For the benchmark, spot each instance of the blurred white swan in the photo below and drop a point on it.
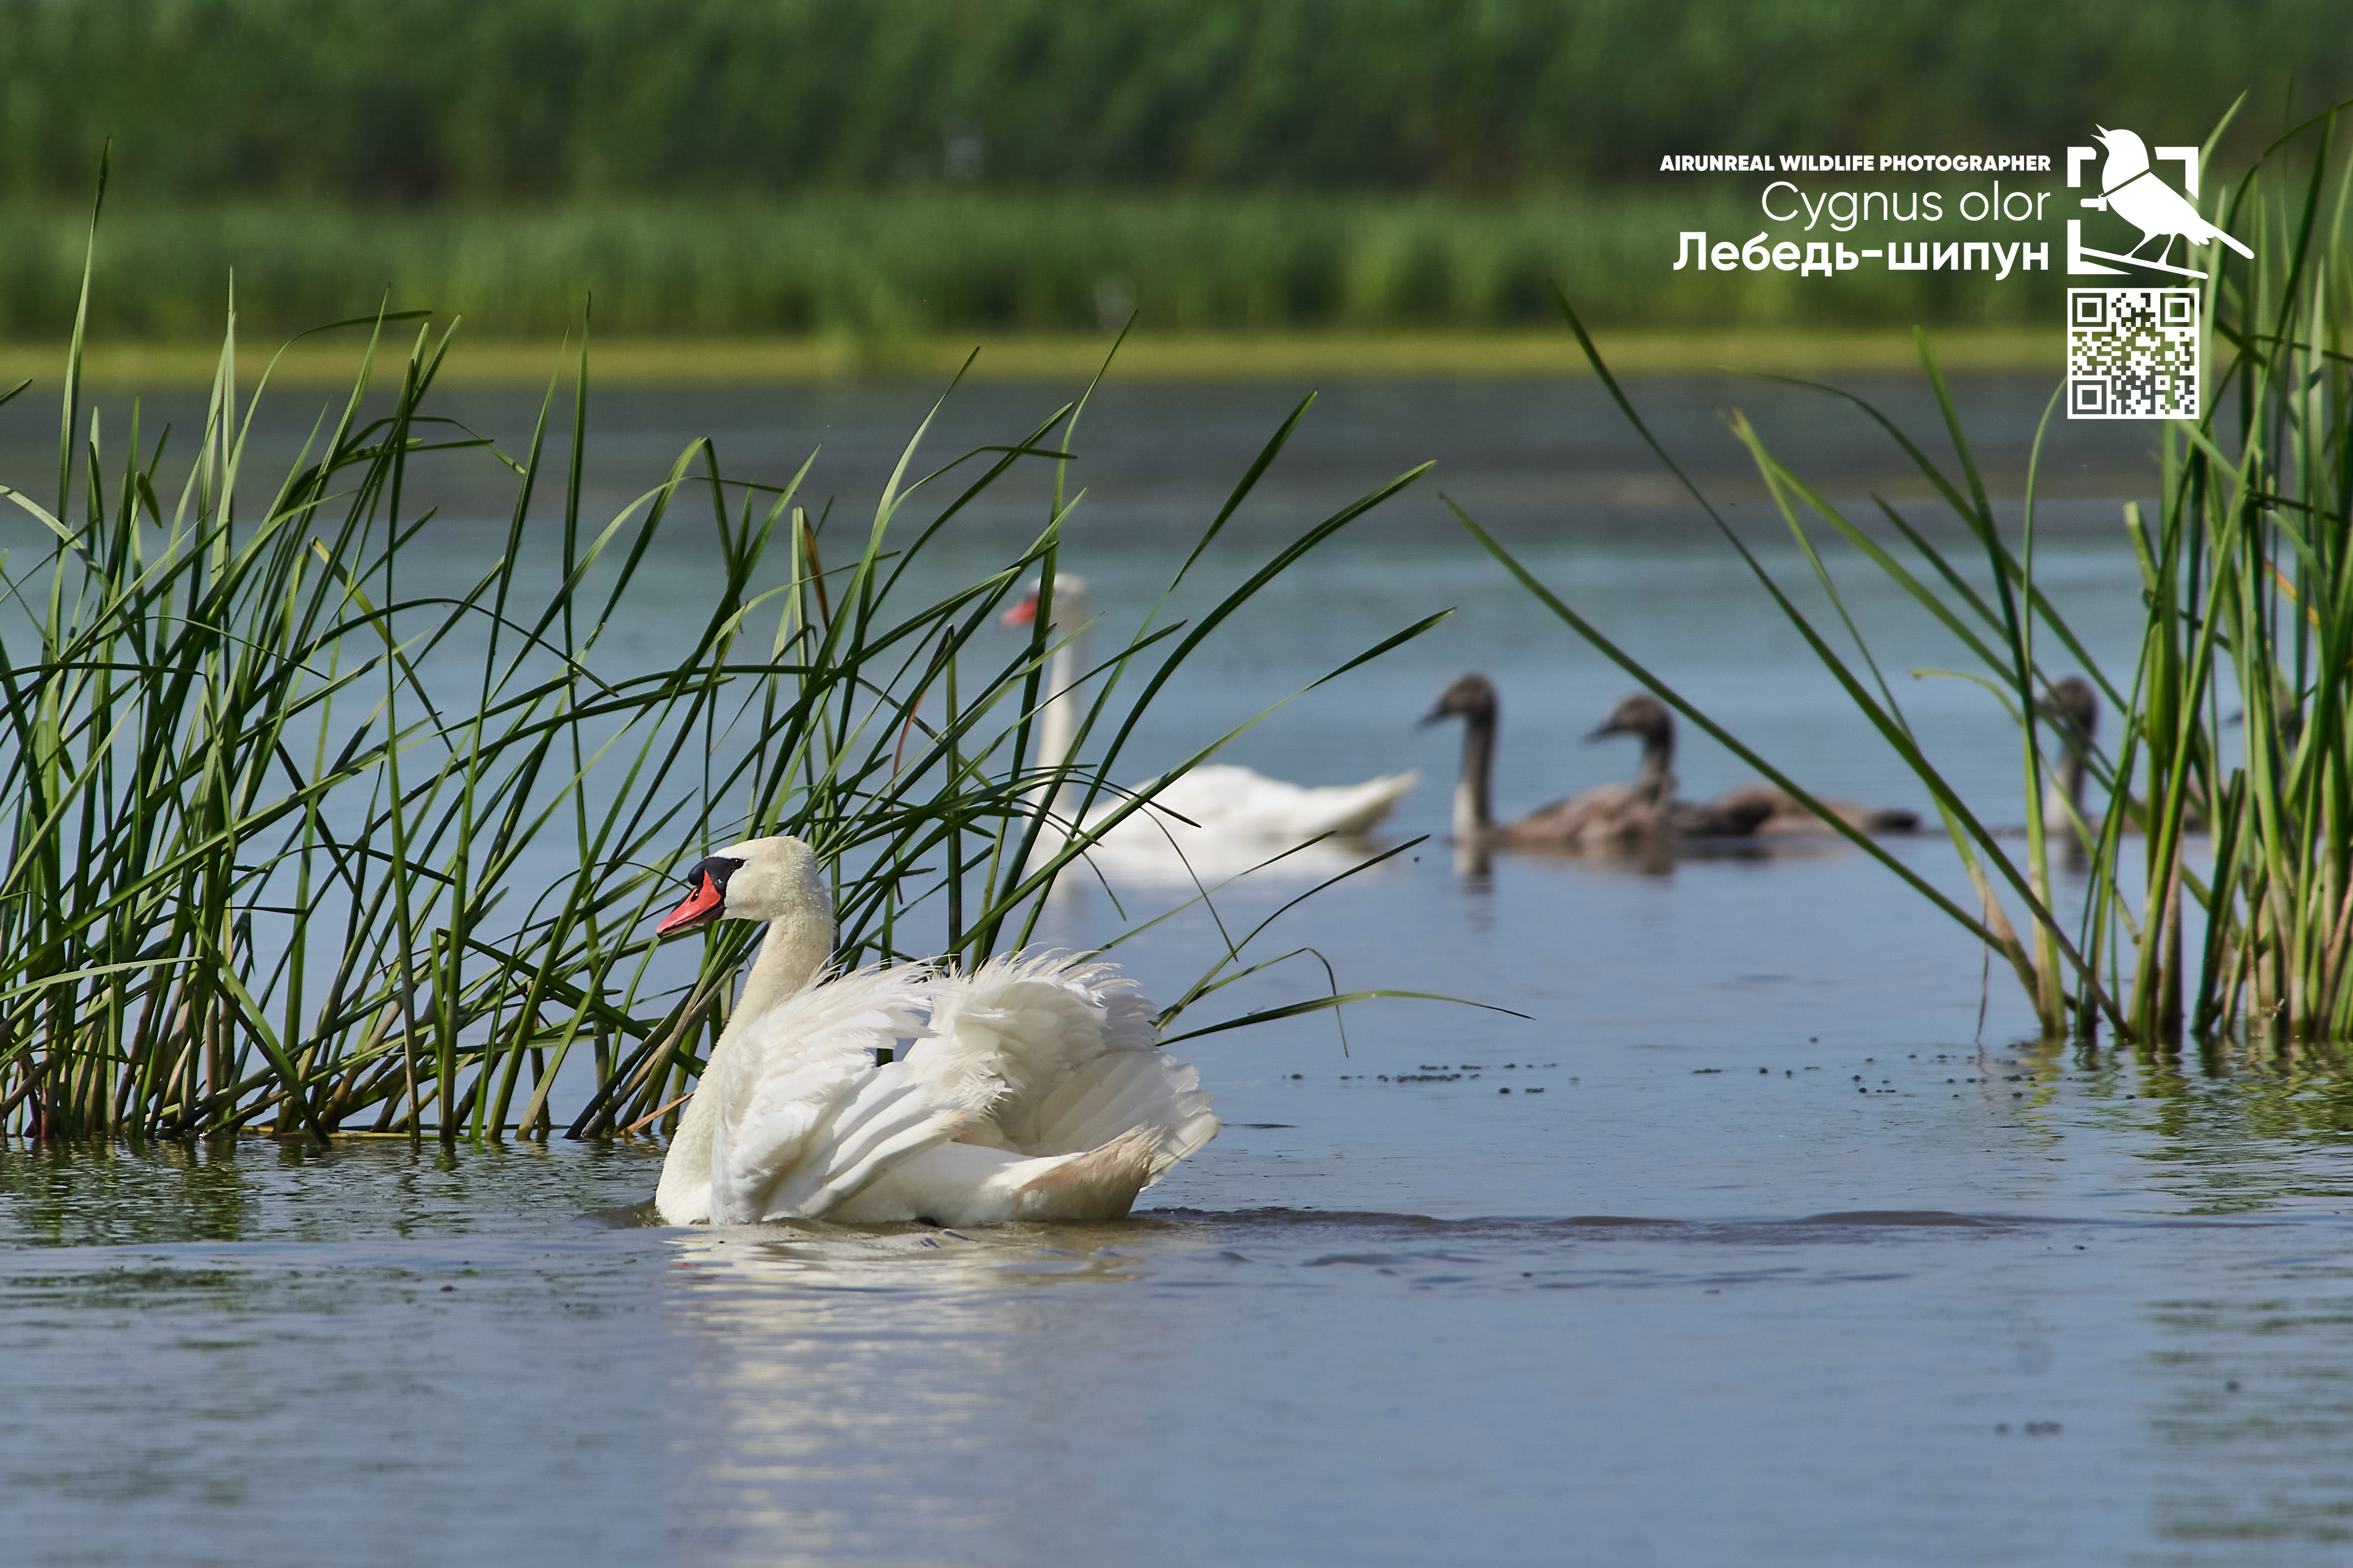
(1033, 1087)
(1242, 815)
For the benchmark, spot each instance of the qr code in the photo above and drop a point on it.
(2132, 353)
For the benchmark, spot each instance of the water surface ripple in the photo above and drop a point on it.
(1758, 1243)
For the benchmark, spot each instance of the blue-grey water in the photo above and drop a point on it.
(1760, 1240)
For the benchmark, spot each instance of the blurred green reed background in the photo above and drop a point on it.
(905, 264)
(873, 167)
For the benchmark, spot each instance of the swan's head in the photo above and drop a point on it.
(1070, 607)
(1637, 715)
(758, 879)
(1471, 697)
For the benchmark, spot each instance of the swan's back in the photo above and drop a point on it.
(1605, 817)
(1735, 815)
(1781, 812)
(1236, 801)
(1057, 1054)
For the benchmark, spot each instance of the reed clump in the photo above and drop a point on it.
(297, 840)
(2234, 727)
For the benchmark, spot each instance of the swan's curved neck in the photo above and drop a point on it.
(2072, 771)
(795, 949)
(1474, 801)
(1057, 726)
(1658, 771)
(791, 955)
(2065, 791)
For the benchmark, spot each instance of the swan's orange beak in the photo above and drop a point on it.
(1024, 614)
(701, 908)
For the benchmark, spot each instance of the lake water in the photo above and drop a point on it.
(1760, 1240)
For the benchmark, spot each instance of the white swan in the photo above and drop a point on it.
(1032, 1088)
(1236, 809)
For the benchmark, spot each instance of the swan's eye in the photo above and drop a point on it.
(717, 868)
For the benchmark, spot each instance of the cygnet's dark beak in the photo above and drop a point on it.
(1438, 711)
(1608, 727)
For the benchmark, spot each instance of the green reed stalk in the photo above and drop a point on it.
(270, 864)
(2247, 579)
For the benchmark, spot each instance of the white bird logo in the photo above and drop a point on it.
(2129, 189)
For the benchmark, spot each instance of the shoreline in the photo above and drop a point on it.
(645, 361)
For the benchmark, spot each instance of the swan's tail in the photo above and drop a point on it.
(1231, 802)
(1125, 1093)
(1351, 808)
(1057, 1054)
(1101, 1184)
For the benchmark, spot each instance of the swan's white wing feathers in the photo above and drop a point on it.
(891, 1117)
(1034, 1054)
(1120, 1092)
(801, 1106)
(1237, 802)
(1059, 1055)
(1008, 1032)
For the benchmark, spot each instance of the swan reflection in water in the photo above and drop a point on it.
(875, 1394)
(930, 1261)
